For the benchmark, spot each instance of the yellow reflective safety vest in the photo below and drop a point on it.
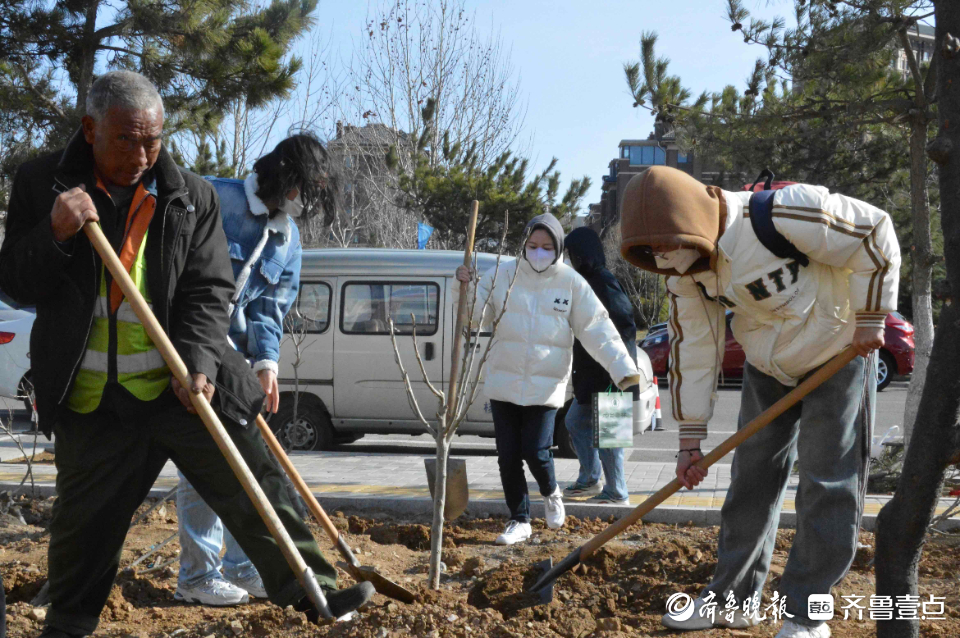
(137, 365)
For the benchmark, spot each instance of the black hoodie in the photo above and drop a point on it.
(586, 251)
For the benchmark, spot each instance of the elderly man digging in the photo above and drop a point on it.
(806, 274)
(102, 386)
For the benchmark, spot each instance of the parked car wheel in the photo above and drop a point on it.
(312, 429)
(886, 368)
(561, 438)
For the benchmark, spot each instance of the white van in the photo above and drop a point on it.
(349, 381)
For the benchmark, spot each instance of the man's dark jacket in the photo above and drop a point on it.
(188, 271)
(586, 251)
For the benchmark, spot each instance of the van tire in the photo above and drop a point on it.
(561, 438)
(314, 431)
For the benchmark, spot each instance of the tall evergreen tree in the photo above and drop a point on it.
(444, 180)
(827, 105)
(935, 446)
(201, 55)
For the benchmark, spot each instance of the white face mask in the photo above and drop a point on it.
(292, 207)
(680, 259)
(540, 258)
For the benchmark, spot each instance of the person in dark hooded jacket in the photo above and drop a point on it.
(585, 251)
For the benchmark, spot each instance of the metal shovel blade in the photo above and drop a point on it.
(458, 489)
(381, 583)
(544, 593)
(544, 585)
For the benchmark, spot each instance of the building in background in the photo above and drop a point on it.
(633, 157)
(368, 214)
(922, 38)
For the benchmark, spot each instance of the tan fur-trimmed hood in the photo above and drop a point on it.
(663, 206)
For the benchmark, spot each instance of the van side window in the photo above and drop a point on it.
(368, 307)
(311, 313)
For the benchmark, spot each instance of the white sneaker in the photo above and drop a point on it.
(791, 629)
(252, 584)
(694, 620)
(515, 532)
(215, 592)
(688, 619)
(556, 514)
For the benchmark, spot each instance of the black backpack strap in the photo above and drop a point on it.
(761, 218)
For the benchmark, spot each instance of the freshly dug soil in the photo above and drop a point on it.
(620, 591)
(42, 458)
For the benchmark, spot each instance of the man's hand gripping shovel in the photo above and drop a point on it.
(543, 588)
(210, 420)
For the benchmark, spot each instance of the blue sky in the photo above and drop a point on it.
(570, 54)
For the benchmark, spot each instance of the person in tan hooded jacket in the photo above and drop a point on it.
(791, 318)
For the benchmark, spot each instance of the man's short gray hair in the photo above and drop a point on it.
(122, 89)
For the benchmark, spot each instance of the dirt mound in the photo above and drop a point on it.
(356, 525)
(22, 582)
(506, 589)
(416, 537)
(143, 591)
(619, 591)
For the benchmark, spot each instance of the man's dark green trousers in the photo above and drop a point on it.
(106, 465)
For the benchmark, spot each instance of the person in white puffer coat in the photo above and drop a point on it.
(792, 313)
(527, 371)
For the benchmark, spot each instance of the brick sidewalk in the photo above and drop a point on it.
(397, 482)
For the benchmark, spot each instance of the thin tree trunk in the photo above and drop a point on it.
(296, 393)
(89, 56)
(922, 258)
(439, 500)
(902, 523)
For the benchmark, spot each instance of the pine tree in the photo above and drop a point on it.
(826, 105)
(201, 55)
(935, 446)
(443, 181)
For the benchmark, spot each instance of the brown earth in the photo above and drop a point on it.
(43, 458)
(620, 591)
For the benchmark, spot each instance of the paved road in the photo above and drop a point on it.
(659, 446)
(386, 472)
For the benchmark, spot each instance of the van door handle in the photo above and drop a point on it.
(428, 351)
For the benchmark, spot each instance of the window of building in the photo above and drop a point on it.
(647, 156)
(311, 312)
(624, 152)
(368, 307)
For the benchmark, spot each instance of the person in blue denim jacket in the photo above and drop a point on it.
(292, 181)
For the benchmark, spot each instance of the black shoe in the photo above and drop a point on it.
(339, 601)
(50, 632)
(343, 601)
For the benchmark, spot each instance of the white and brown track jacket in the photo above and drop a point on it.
(789, 318)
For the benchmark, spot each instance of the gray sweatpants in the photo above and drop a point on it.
(830, 431)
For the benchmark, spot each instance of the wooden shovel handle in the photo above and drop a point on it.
(302, 488)
(806, 387)
(209, 417)
(461, 310)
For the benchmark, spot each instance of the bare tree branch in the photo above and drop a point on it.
(411, 397)
(423, 370)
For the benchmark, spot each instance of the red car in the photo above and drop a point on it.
(896, 356)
